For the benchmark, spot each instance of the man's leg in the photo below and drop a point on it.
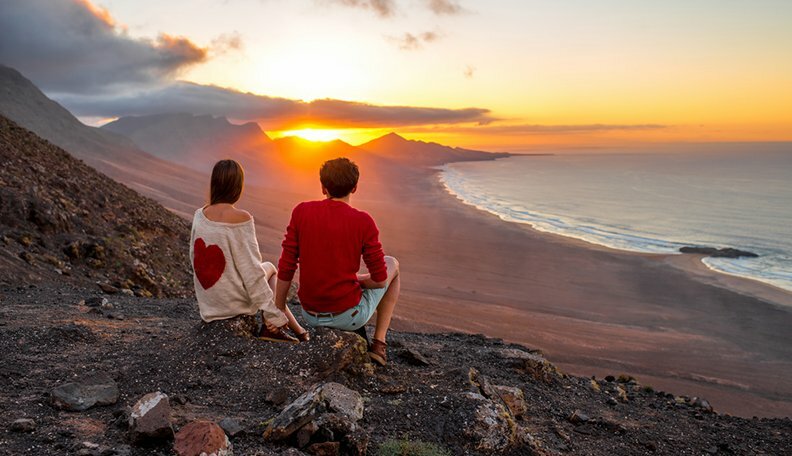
(388, 301)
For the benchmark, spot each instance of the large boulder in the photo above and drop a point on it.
(321, 399)
(533, 364)
(202, 438)
(493, 429)
(90, 390)
(150, 419)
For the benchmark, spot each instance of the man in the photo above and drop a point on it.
(328, 238)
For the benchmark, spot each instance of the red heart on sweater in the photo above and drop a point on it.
(208, 262)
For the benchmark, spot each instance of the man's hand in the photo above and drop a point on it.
(366, 282)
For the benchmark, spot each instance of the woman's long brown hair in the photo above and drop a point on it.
(228, 177)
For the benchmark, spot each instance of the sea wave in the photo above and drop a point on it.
(765, 269)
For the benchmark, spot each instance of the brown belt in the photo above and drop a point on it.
(324, 314)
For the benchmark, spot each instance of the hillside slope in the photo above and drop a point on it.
(60, 216)
(177, 187)
(394, 147)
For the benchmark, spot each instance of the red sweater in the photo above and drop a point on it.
(328, 238)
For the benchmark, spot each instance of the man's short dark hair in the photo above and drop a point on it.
(339, 176)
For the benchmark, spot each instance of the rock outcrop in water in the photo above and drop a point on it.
(719, 253)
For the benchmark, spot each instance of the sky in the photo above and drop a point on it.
(494, 75)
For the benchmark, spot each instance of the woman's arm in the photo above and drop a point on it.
(247, 259)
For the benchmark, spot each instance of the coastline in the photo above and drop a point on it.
(593, 310)
(691, 263)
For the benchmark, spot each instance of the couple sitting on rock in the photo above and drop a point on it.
(327, 238)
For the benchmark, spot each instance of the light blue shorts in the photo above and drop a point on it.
(353, 318)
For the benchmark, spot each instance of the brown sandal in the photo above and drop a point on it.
(378, 352)
(279, 335)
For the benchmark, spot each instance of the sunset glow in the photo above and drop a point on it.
(310, 134)
(508, 75)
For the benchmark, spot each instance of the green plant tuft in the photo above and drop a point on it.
(393, 447)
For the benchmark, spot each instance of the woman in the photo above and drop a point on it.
(230, 278)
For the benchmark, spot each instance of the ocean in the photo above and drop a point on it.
(648, 202)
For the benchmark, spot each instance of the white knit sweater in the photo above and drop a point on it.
(230, 278)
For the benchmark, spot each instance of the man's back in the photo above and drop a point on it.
(327, 238)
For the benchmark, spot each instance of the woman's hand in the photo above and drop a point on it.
(273, 328)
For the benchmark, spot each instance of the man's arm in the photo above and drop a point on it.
(374, 257)
(281, 293)
(366, 282)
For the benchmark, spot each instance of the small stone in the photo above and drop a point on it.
(107, 288)
(702, 404)
(578, 417)
(514, 398)
(356, 442)
(92, 389)
(594, 385)
(277, 396)
(231, 426)
(96, 301)
(127, 292)
(611, 401)
(414, 357)
(202, 438)
(304, 434)
(119, 450)
(610, 378)
(325, 449)
(150, 420)
(114, 315)
(337, 424)
(107, 305)
(23, 425)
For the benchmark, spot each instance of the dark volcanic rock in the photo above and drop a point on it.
(719, 253)
(150, 420)
(92, 389)
(323, 398)
(231, 426)
(23, 425)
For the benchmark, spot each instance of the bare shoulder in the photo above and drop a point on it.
(238, 216)
(226, 214)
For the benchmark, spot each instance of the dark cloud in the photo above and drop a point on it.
(81, 57)
(448, 7)
(410, 42)
(273, 113)
(382, 8)
(74, 46)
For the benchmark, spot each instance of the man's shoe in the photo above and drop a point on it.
(378, 351)
(279, 335)
(304, 336)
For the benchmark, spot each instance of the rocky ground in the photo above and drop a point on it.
(62, 220)
(466, 394)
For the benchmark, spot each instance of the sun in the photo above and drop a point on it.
(313, 134)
